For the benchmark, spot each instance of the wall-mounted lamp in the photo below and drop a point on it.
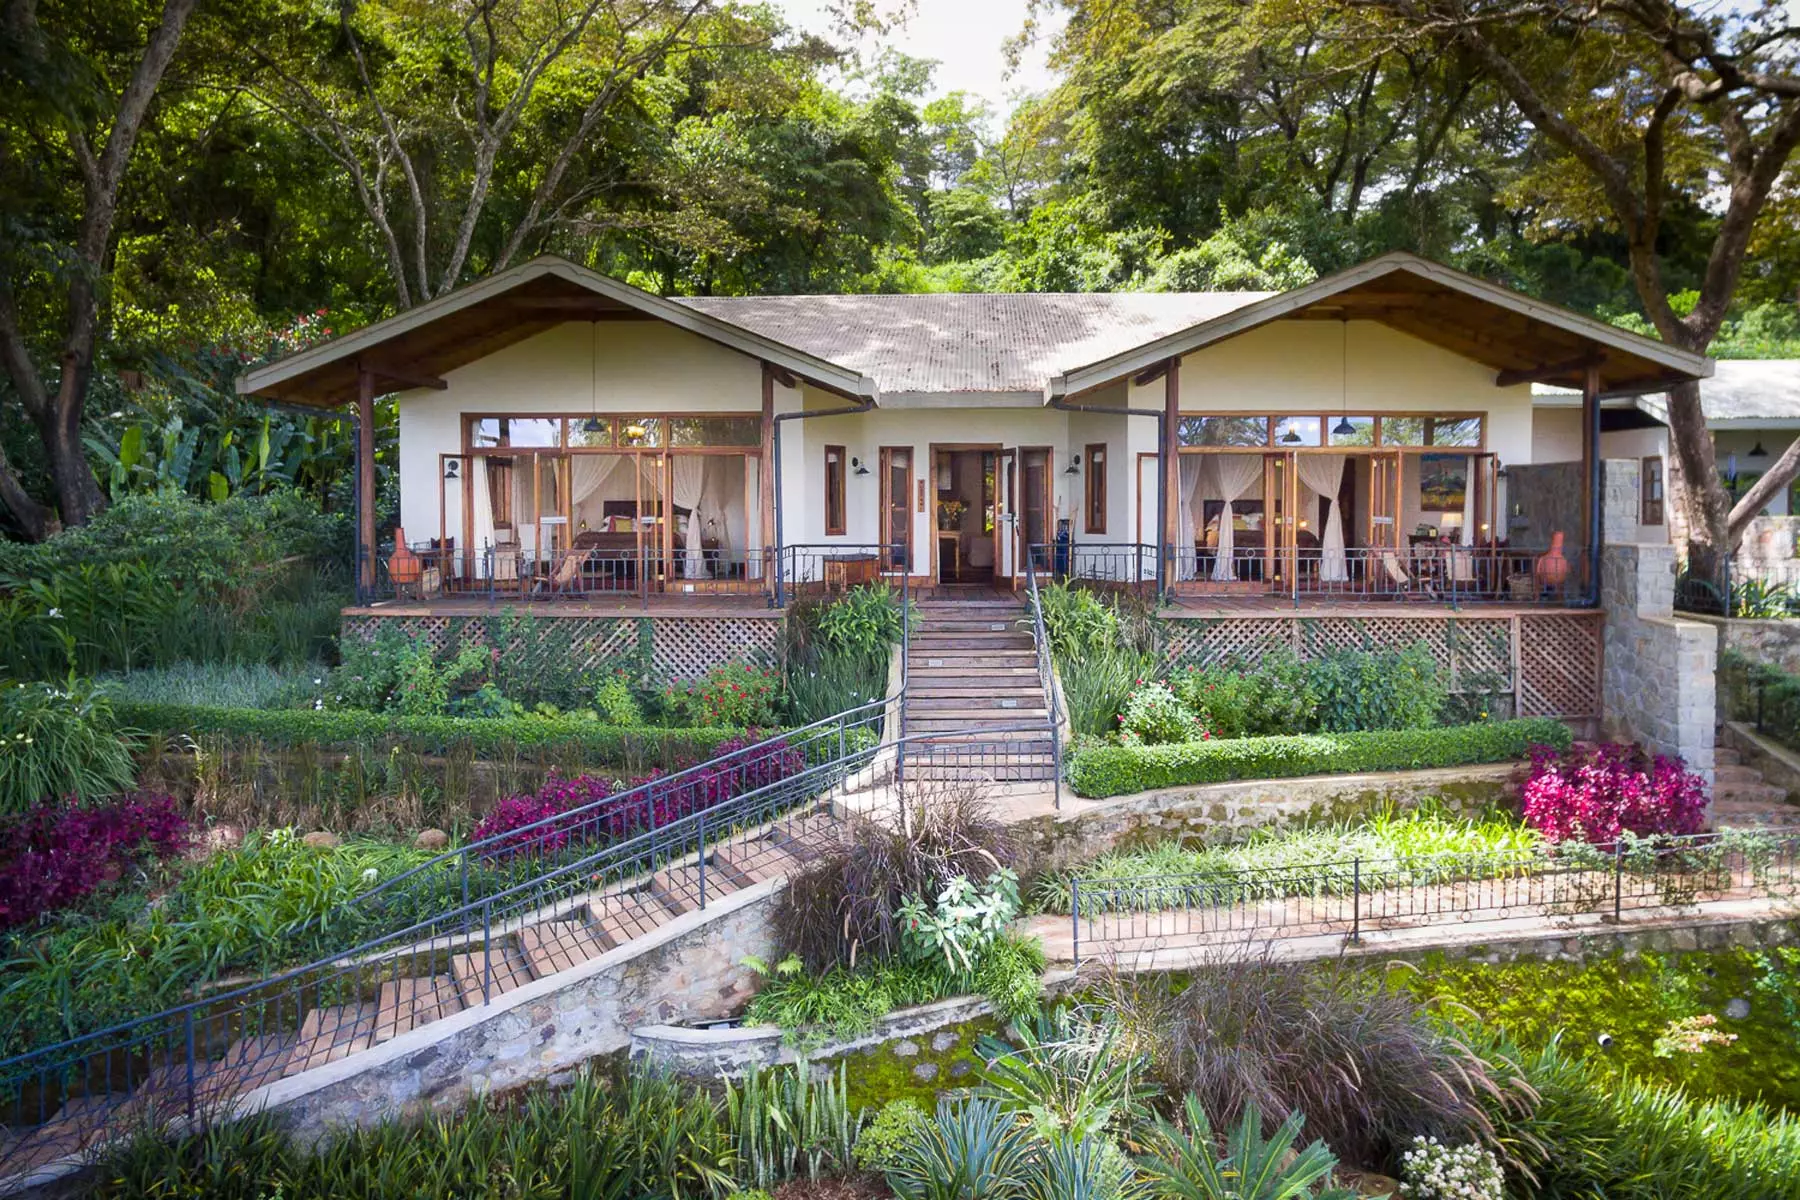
(451, 467)
(1074, 467)
(858, 467)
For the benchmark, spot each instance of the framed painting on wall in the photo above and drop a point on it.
(1443, 482)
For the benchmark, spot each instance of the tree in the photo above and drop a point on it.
(77, 87)
(1648, 105)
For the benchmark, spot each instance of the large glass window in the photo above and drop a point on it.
(834, 491)
(1456, 431)
(545, 432)
(1348, 430)
(1297, 431)
(1403, 431)
(1431, 431)
(715, 431)
(1223, 431)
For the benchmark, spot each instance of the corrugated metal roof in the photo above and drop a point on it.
(959, 342)
(1739, 389)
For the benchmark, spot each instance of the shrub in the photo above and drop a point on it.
(1154, 716)
(973, 1150)
(736, 695)
(59, 740)
(516, 812)
(1235, 699)
(843, 907)
(1370, 1068)
(1595, 794)
(1096, 685)
(616, 703)
(1431, 1170)
(1097, 769)
(897, 1125)
(1077, 621)
(1366, 690)
(821, 683)
(1066, 1075)
(839, 1002)
(397, 673)
(56, 855)
(966, 920)
(220, 685)
(864, 621)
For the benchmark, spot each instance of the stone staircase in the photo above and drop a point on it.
(570, 933)
(1742, 799)
(971, 673)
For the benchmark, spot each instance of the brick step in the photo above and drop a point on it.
(1724, 756)
(555, 946)
(330, 1033)
(756, 862)
(1755, 792)
(625, 915)
(1735, 773)
(408, 1003)
(488, 974)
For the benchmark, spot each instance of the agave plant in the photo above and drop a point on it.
(1182, 1161)
(787, 1124)
(1067, 1076)
(1089, 1169)
(974, 1150)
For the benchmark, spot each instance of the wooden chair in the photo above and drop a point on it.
(505, 559)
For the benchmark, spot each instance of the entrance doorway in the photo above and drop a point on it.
(966, 514)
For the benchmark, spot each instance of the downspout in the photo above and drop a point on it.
(1596, 499)
(860, 406)
(1062, 404)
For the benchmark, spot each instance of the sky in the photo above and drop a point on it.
(965, 36)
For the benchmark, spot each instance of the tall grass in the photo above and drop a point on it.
(1281, 862)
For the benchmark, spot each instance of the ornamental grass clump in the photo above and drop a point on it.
(1598, 794)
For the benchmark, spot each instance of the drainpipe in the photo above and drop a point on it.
(860, 406)
(1591, 386)
(1062, 404)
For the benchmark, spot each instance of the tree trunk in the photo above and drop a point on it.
(78, 494)
(1703, 502)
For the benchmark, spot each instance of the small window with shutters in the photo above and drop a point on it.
(1096, 488)
(1650, 491)
(834, 491)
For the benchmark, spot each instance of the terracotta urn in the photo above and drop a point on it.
(1552, 568)
(404, 566)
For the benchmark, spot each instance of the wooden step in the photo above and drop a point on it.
(921, 720)
(973, 699)
(1724, 756)
(331, 1033)
(1013, 773)
(69, 1130)
(963, 625)
(963, 736)
(408, 1003)
(952, 608)
(1766, 793)
(949, 664)
(249, 1063)
(555, 946)
(487, 975)
(931, 643)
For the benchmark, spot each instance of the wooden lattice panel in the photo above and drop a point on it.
(1559, 665)
(1320, 636)
(1201, 643)
(686, 648)
(1481, 651)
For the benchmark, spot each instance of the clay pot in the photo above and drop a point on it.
(1551, 568)
(404, 566)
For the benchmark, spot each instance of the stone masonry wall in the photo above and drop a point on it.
(1658, 686)
(689, 970)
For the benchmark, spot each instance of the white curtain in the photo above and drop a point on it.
(1234, 474)
(1471, 482)
(1323, 473)
(689, 483)
(589, 473)
(753, 523)
(1187, 483)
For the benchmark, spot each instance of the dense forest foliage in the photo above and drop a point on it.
(295, 168)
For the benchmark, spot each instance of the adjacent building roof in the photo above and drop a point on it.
(1744, 392)
(971, 342)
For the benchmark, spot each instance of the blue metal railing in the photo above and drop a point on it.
(1046, 673)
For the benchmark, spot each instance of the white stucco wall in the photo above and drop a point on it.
(649, 367)
(1555, 434)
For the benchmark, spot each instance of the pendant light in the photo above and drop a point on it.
(1757, 450)
(1343, 428)
(593, 423)
(1291, 438)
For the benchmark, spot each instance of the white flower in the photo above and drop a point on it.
(54, 614)
(370, 875)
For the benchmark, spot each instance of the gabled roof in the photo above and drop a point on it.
(966, 342)
(1744, 393)
(1482, 321)
(473, 321)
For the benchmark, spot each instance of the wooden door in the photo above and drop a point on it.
(896, 508)
(1384, 501)
(1035, 508)
(1006, 523)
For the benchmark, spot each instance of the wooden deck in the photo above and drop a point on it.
(1202, 605)
(594, 604)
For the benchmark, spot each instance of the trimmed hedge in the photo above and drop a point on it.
(1098, 769)
(485, 736)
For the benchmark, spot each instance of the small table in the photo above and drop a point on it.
(955, 537)
(845, 571)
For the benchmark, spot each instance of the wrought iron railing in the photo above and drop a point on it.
(512, 573)
(1046, 672)
(1351, 896)
(1426, 571)
(1753, 591)
(831, 569)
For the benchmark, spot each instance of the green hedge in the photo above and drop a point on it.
(485, 736)
(1098, 769)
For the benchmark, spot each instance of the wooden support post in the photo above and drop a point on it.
(766, 472)
(365, 479)
(1591, 497)
(1171, 457)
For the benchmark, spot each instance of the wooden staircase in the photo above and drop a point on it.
(581, 928)
(971, 673)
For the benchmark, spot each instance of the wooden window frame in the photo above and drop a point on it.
(1094, 489)
(835, 492)
(1327, 416)
(1662, 488)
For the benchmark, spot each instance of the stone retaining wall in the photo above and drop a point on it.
(1658, 685)
(1085, 829)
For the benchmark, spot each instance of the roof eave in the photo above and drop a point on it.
(796, 362)
(1682, 364)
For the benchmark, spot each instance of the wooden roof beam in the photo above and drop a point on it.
(1518, 375)
(401, 375)
(1147, 377)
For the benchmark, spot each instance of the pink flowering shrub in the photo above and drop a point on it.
(54, 855)
(1595, 794)
(648, 802)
